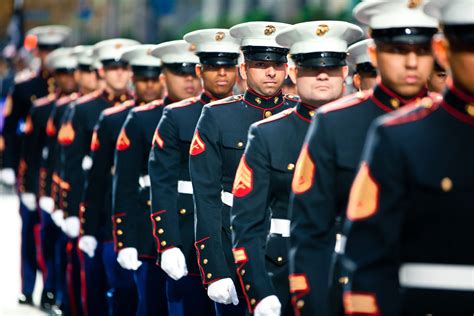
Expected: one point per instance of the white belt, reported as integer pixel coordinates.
(185, 187)
(340, 244)
(144, 181)
(280, 226)
(437, 276)
(227, 198)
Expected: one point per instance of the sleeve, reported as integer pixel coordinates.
(164, 167)
(375, 216)
(312, 213)
(251, 219)
(95, 187)
(15, 112)
(27, 171)
(205, 165)
(60, 186)
(48, 161)
(72, 156)
(126, 206)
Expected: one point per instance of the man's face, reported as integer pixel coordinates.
(403, 68)
(218, 80)
(437, 81)
(264, 77)
(66, 82)
(87, 80)
(317, 86)
(117, 77)
(147, 89)
(180, 86)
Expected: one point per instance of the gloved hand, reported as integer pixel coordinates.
(46, 204)
(29, 200)
(269, 306)
(7, 176)
(71, 226)
(128, 259)
(223, 291)
(174, 263)
(58, 218)
(88, 244)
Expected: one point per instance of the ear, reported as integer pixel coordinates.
(76, 75)
(371, 50)
(101, 72)
(356, 81)
(198, 70)
(243, 70)
(345, 71)
(293, 73)
(440, 48)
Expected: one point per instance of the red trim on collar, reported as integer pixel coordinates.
(422, 92)
(264, 97)
(457, 114)
(460, 94)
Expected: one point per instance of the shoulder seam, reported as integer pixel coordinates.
(345, 102)
(226, 100)
(276, 117)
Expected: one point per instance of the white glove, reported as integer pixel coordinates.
(174, 263)
(269, 306)
(223, 291)
(46, 204)
(128, 259)
(88, 244)
(58, 218)
(7, 175)
(71, 226)
(29, 200)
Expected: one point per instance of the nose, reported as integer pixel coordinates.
(411, 60)
(271, 71)
(221, 71)
(322, 75)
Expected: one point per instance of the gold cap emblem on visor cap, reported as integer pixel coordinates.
(269, 30)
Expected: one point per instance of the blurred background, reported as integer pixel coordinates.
(154, 21)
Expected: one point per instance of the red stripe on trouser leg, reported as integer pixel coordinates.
(39, 251)
(70, 277)
(80, 254)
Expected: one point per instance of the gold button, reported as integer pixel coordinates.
(209, 275)
(163, 243)
(205, 261)
(82, 231)
(202, 247)
(344, 280)
(82, 208)
(395, 103)
(426, 102)
(182, 211)
(258, 100)
(158, 218)
(291, 166)
(240, 144)
(83, 220)
(279, 259)
(299, 304)
(118, 220)
(268, 113)
(148, 202)
(119, 232)
(64, 194)
(247, 287)
(242, 272)
(253, 301)
(120, 244)
(446, 184)
(311, 113)
(470, 109)
(65, 205)
(160, 231)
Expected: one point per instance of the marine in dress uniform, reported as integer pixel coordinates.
(331, 153)
(365, 74)
(260, 220)
(24, 92)
(171, 188)
(410, 214)
(216, 148)
(75, 158)
(132, 227)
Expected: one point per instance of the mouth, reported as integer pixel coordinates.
(411, 79)
(222, 83)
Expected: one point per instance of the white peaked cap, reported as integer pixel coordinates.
(258, 33)
(141, 55)
(112, 49)
(178, 51)
(213, 41)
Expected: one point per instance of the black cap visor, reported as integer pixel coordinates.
(320, 59)
(366, 68)
(460, 36)
(404, 35)
(263, 53)
(146, 71)
(112, 63)
(182, 69)
(218, 59)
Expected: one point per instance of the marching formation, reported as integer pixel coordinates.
(181, 179)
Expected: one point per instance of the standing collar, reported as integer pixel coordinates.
(459, 104)
(305, 111)
(256, 100)
(206, 97)
(389, 101)
(117, 99)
